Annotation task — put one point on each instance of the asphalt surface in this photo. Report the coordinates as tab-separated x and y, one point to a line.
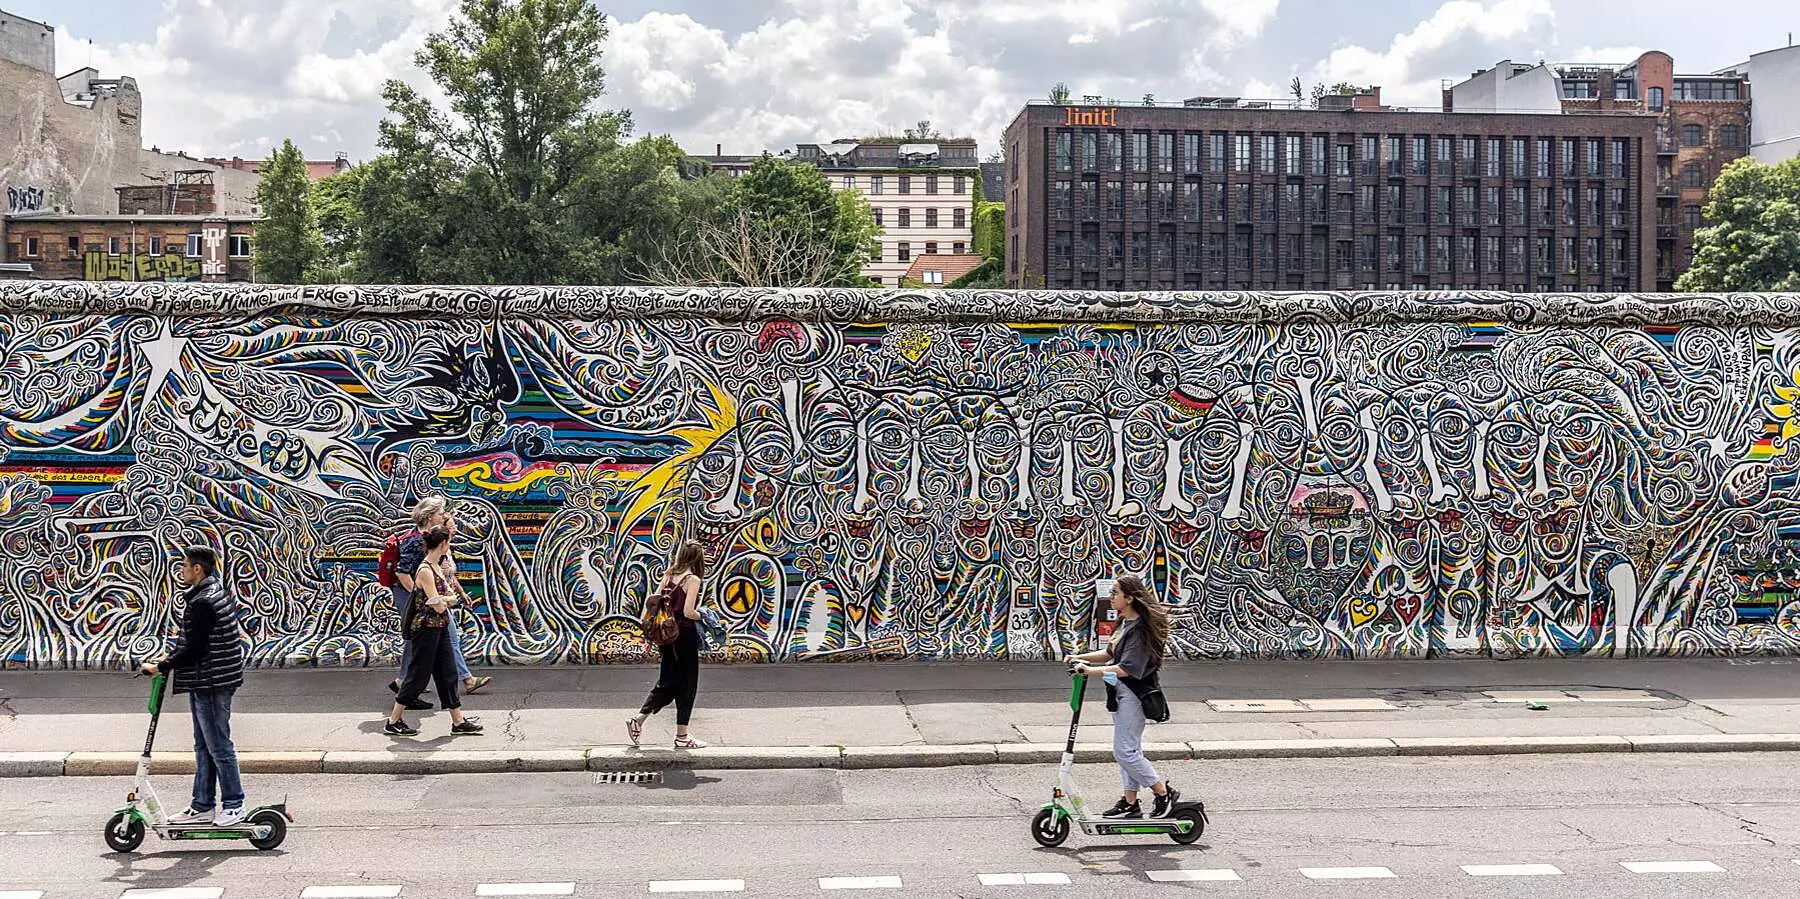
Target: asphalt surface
938	831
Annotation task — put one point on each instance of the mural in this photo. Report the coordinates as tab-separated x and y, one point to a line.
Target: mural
908	475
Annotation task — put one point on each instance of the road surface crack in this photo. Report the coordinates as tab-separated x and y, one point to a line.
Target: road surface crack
509	728
986	780
906	708
1592	840
1744	824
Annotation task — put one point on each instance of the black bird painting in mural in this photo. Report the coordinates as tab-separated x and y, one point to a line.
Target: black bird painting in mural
461	393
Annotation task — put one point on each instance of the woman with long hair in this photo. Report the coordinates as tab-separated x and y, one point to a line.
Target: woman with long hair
1129	665
679	678
428	630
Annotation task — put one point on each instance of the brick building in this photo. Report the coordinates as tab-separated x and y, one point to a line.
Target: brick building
316	169
63	247
1702	123
922	193
1227	194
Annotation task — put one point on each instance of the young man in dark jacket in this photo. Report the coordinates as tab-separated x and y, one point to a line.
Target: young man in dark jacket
208	663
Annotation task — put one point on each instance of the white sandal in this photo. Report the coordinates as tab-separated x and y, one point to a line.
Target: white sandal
634	730
689	743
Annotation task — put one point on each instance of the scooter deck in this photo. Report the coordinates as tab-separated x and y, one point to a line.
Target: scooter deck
1111	827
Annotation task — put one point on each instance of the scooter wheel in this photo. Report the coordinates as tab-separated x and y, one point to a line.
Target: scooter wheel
124	833
275	822
1196	826
1049	828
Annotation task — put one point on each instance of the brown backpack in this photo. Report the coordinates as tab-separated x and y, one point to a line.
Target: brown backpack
660	626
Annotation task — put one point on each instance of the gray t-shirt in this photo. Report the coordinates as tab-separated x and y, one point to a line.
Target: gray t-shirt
1130	649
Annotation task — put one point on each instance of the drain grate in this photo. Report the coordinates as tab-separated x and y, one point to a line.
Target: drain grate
628	777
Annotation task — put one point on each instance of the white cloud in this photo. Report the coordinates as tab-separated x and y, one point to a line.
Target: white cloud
1459	33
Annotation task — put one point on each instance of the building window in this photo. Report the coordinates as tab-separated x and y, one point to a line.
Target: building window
1618	158
1291	164
1190	153
1656	99
1140	250
959	218
1620	258
1140	152
1241	161
1115	152
74	246
1570	165
112	245
240	246
1624	90
931	184
1090	152
1115	250
1267	154
904	249
1578	90
1165	202
1440	254
906	184
1691	216
1391	157
932	278
957	186
931	248
931	218
1115	201
905	218
1220	198
875	185
1590	259
1693	136
31	248
1731	136
959	248
849	182
1519	165
1706	90
1343	159
1215	152
1318	155
1570	193
1420	165
1490	254
1594	208
1691	176
1543	157
193	246
156	247
1618	207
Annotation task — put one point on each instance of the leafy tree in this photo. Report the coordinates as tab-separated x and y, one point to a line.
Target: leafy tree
1754	241
337	207
287	240
521	131
781	225
1059	94
1297	90
922	131
1149	99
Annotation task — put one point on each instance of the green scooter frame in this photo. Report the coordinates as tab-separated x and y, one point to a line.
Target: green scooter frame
1051	826
265	826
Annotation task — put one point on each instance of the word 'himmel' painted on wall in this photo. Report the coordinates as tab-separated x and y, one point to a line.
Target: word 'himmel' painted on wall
909	476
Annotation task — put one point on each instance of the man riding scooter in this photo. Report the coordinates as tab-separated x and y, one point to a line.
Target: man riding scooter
208	663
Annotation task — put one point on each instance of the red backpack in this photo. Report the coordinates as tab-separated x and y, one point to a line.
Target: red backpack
389	560
659	624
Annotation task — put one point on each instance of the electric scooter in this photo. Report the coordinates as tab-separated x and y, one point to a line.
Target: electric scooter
1185	823
265	826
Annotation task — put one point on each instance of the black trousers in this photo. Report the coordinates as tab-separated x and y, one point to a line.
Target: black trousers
679	679
432	659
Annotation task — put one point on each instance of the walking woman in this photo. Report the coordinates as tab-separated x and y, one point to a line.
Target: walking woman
428	631
679	679
1129	664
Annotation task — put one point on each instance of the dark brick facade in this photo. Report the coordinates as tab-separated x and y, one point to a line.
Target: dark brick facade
117	248
1137	198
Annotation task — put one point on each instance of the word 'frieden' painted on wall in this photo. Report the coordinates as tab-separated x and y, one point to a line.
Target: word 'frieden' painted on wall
904	475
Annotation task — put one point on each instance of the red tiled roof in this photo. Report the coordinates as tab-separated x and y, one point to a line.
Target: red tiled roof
953	265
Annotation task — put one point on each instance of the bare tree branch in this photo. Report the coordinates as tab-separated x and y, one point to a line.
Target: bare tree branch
750	251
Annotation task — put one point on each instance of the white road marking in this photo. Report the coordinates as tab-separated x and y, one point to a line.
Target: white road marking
351	892
1511	870
1020	880
860	883
21	894
1672	867
1346	873
1616	696
33	833
696	886
177	893
1192	876
525	889
1529	696
1348	705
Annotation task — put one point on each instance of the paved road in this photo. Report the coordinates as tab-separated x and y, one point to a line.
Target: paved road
780	832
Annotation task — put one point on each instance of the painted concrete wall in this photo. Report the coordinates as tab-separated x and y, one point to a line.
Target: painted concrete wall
888	475
1501	89
1775	91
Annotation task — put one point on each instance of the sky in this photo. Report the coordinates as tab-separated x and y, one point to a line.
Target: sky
235	77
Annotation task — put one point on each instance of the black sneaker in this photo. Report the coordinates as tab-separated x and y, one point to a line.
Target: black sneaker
468	728
419	705
1166	803
400	729
1123	809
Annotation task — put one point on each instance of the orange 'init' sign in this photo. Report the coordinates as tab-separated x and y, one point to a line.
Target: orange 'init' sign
1104	118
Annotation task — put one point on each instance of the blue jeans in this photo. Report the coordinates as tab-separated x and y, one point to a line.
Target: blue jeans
215	758
406	650
1135	771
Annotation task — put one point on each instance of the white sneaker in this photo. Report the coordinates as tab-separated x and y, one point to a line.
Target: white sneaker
231	817
189	816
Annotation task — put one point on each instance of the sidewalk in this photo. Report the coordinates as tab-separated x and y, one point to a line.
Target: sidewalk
923	714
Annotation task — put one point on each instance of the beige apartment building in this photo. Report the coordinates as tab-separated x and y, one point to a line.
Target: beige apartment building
922	193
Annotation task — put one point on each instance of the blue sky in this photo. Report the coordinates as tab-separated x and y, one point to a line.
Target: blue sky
225	77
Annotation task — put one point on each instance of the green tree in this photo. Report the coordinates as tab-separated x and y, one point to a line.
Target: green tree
922	131
1059	94
1753	243
521	131
780	225
337	208
287	239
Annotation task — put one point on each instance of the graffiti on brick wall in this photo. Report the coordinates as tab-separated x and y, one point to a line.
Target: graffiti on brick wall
1299	476
100	266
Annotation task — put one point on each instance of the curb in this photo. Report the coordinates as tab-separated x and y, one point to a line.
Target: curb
863	758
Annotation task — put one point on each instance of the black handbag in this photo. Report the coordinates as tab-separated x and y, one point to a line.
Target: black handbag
1156	707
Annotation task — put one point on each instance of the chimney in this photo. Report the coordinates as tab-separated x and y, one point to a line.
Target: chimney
718	149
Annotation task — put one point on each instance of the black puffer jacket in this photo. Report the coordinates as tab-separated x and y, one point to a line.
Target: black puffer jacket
209	654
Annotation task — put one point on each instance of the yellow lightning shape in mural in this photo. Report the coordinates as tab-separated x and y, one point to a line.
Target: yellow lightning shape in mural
653	489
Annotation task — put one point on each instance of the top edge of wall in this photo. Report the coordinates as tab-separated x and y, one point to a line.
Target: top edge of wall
845	305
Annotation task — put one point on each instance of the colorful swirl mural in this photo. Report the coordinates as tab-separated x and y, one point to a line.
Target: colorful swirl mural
908	475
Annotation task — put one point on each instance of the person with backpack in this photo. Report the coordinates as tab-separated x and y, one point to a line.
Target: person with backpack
672	623
426	629
396	569
1131	660
208	664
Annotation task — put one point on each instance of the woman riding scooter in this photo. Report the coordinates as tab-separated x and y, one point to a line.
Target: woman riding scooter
1131	661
